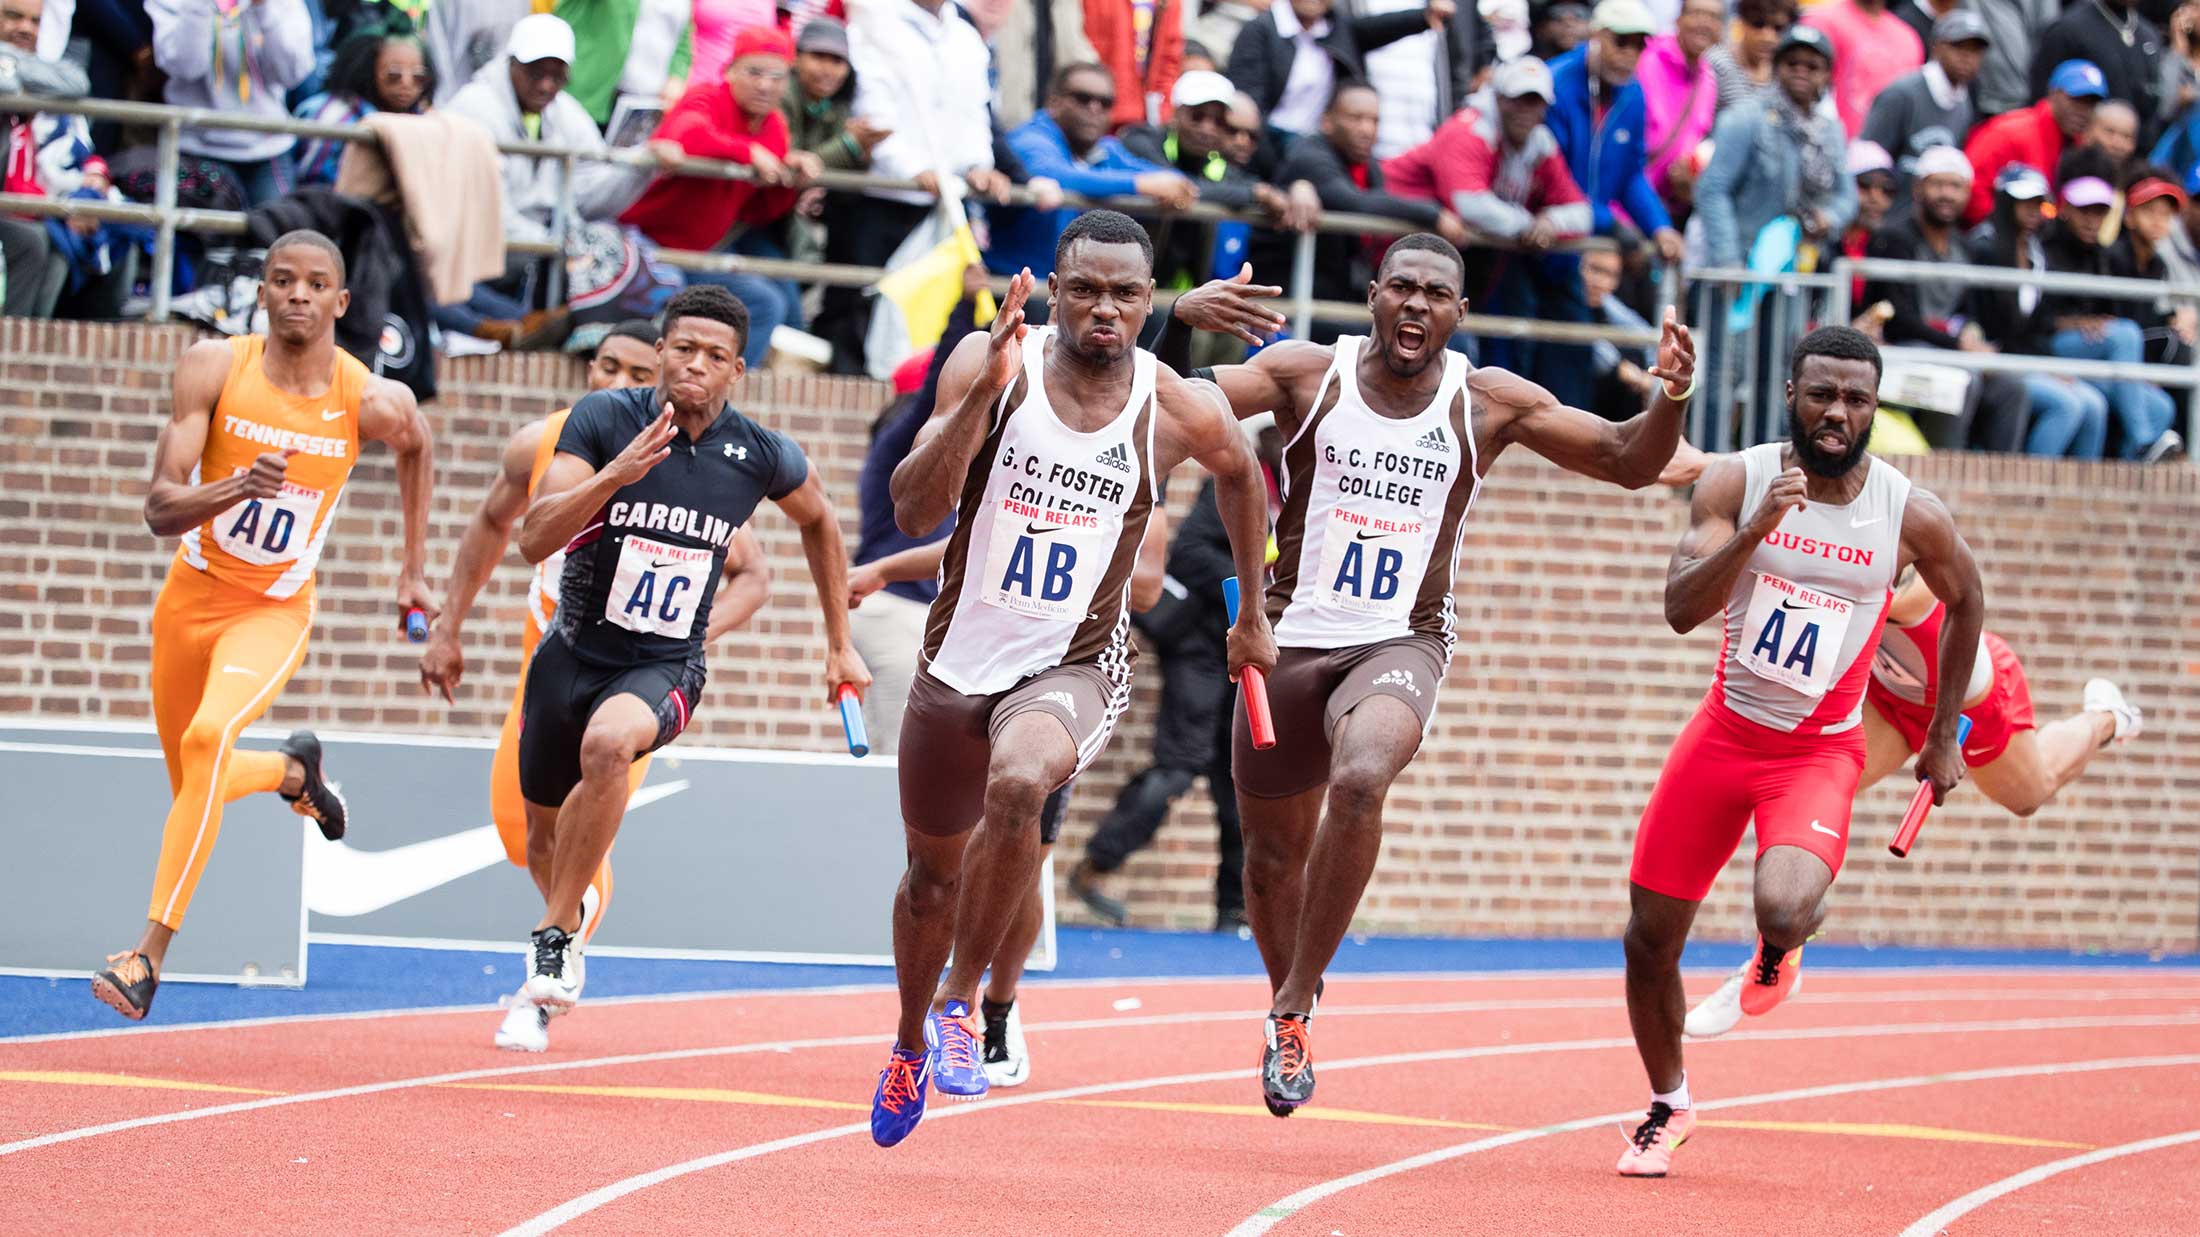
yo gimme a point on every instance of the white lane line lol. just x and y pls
(595, 1199)
(1283, 1209)
(1938, 1221)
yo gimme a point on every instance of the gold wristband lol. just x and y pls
(1667, 390)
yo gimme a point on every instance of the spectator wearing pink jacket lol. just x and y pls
(1680, 93)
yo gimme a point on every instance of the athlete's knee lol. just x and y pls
(1358, 787)
(1653, 945)
(202, 741)
(606, 753)
(1788, 922)
(1014, 794)
(931, 882)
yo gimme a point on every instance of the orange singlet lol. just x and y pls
(506, 805)
(230, 626)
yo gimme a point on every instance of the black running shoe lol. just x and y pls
(127, 982)
(317, 801)
(1287, 1065)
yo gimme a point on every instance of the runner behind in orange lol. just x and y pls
(626, 358)
(248, 472)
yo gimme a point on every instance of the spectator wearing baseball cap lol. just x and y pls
(1871, 49)
(2181, 250)
(1931, 107)
(2153, 207)
(1942, 313)
(1872, 168)
(2069, 418)
(2099, 328)
(2034, 136)
(735, 119)
(820, 99)
(1196, 142)
(1599, 119)
(1779, 155)
(2112, 35)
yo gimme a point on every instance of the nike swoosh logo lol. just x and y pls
(1789, 605)
(1856, 523)
(1041, 530)
(331, 414)
(240, 670)
(1367, 536)
(1822, 829)
(345, 882)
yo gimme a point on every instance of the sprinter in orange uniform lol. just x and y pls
(626, 358)
(248, 472)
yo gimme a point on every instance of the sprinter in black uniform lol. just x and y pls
(644, 496)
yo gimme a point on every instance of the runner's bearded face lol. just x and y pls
(1830, 408)
(1102, 296)
(1416, 302)
(702, 361)
(622, 361)
(303, 294)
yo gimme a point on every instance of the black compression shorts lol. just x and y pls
(564, 692)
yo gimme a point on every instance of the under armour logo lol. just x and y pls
(1116, 457)
(738, 453)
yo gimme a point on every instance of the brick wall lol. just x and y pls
(1516, 819)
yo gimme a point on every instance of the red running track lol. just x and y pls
(1976, 1102)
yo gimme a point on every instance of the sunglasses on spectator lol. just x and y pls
(1632, 42)
(1087, 99)
(761, 73)
(418, 77)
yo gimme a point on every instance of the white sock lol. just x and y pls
(1676, 1099)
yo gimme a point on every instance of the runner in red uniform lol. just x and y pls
(1798, 544)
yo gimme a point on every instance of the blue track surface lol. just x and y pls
(350, 978)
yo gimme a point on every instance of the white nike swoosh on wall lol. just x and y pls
(346, 882)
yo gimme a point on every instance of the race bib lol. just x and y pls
(1792, 635)
(1045, 564)
(265, 531)
(1372, 565)
(657, 588)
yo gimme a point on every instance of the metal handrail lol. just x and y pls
(1899, 270)
(167, 219)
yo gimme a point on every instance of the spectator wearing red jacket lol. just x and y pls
(1145, 63)
(2034, 136)
(736, 119)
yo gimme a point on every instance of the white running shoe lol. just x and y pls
(526, 1026)
(2102, 696)
(1007, 1059)
(553, 970)
(1716, 1014)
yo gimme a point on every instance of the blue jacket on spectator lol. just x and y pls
(1025, 237)
(1607, 160)
(1752, 178)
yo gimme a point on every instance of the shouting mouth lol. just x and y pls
(1832, 442)
(1409, 340)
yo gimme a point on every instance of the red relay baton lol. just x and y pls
(1257, 718)
(1921, 803)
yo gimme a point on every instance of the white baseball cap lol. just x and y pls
(1200, 87)
(1943, 161)
(1624, 17)
(1523, 76)
(541, 36)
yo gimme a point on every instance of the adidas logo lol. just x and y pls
(1434, 440)
(1117, 457)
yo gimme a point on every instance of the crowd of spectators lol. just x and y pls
(2044, 135)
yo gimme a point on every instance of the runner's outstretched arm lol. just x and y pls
(487, 536)
(389, 413)
(1271, 381)
(1943, 558)
(1630, 453)
(1718, 543)
(902, 567)
(811, 512)
(174, 506)
(1198, 426)
(981, 369)
(747, 585)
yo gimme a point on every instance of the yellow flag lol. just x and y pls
(925, 290)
